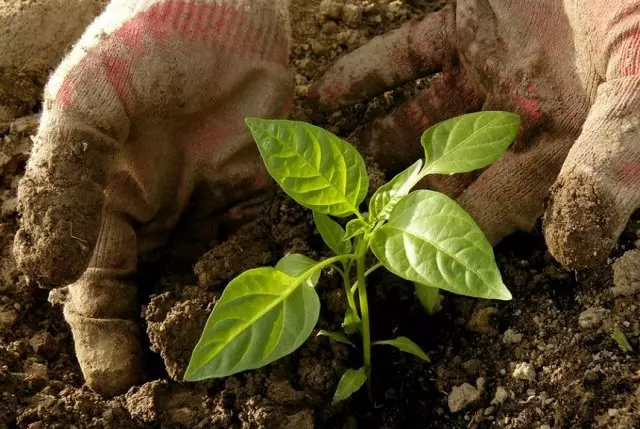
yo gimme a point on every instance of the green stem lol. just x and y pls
(325, 263)
(364, 308)
(338, 269)
(372, 269)
(350, 298)
(359, 216)
(366, 274)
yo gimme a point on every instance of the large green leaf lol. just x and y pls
(263, 315)
(431, 240)
(388, 195)
(314, 167)
(404, 344)
(351, 381)
(468, 142)
(332, 233)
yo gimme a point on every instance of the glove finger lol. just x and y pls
(101, 309)
(598, 188)
(414, 50)
(62, 193)
(509, 195)
(395, 139)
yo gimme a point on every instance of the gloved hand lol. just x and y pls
(570, 69)
(144, 116)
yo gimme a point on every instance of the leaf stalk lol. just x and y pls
(364, 308)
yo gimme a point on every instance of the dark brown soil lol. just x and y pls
(544, 360)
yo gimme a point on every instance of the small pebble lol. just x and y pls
(480, 384)
(524, 371)
(394, 6)
(511, 337)
(331, 9)
(591, 317)
(626, 274)
(461, 396)
(500, 396)
(352, 14)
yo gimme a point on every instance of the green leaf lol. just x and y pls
(621, 339)
(336, 336)
(332, 234)
(352, 380)
(428, 296)
(388, 195)
(314, 167)
(296, 264)
(431, 240)
(355, 227)
(262, 315)
(406, 345)
(468, 142)
(352, 321)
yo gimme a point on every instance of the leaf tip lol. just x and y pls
(505, 294)
(190, 374)
(251, 122)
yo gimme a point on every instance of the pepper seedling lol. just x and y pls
(422, 236)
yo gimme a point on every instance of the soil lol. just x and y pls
(544, 360)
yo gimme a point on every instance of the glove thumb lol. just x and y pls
(599, 185)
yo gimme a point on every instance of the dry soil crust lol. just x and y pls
(543, 360)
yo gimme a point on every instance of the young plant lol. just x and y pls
(422, 236)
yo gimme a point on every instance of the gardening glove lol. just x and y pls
(144, 116)
(571, 70)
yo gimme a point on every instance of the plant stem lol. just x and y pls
(325, 263)
(366, 274)
(350, 299)
(364, 309)
(359, 216)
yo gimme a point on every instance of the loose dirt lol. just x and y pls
(544, 360)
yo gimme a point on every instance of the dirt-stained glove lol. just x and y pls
(570, 69)
(143, 116)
